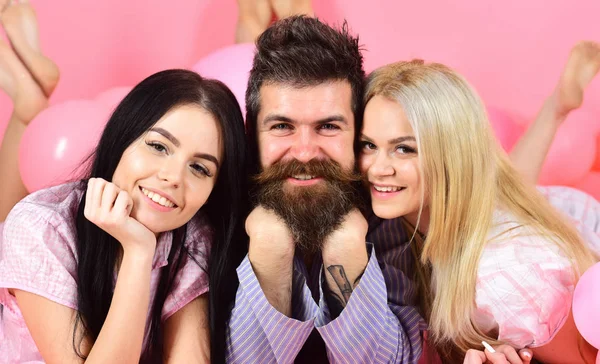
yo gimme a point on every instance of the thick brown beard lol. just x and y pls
(311, 212)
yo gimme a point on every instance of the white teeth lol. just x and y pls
(158, 198)
(303, 177)
(386, 189)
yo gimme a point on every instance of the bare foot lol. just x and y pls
(285, 8)
(27, 96)
(583, 64)
(254, 16)
(247, 32)
(3, 4)
(20, 24)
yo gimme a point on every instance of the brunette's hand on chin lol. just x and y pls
(270, 237)
(109, 208)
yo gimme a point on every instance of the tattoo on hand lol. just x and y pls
(337, 302)
(339, 276)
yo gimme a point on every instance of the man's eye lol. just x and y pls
(280, 127)
(329, 127)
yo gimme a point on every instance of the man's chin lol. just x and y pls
(312, 208)
(311, 213)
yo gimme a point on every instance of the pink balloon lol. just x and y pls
(572, 153)
(507, 131)
(586, 301)
(591, 184)
(58, 140)
(230, 65)
(112, 97)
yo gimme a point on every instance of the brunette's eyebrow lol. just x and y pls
(167, 135)
(208, 157)
(175, 141)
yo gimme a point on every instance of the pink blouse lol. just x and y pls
(38, 255)
(525, 283)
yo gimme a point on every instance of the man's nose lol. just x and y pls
(306, 145)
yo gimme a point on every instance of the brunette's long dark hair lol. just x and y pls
(226, 207)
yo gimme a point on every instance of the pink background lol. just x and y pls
(512, 51)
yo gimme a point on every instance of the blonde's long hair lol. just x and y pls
(466, 177)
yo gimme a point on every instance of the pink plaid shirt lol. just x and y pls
(38, 255)
(525, 283)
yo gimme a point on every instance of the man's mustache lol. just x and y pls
(323, 168)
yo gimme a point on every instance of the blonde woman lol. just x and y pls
(499, 262)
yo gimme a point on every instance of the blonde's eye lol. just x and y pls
(368, 146)
(405, 149)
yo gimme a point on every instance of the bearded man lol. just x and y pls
(311, 288)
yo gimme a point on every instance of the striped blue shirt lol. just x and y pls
(380, 323)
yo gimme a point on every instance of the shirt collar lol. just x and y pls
(163, 248)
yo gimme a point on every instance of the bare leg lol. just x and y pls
(12, 187)
(28, 100)
(20, 23)
(529, 153)
(253, 18)
(285, 8)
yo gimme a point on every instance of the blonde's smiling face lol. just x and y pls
(389, 160)
(171, 169)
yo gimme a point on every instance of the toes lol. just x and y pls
(591, 48)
